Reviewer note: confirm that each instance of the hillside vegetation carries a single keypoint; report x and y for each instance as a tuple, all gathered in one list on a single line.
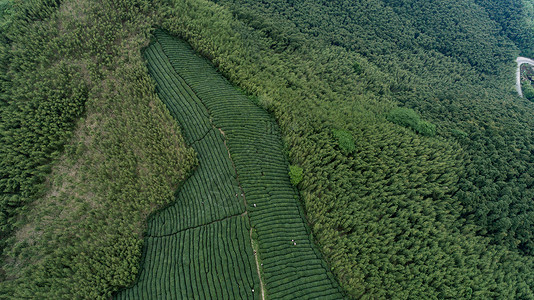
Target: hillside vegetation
[(404, 204), (411, 151), (87, 152), (241, 185)]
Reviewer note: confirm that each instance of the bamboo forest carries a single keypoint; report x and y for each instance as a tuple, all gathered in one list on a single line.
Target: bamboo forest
[(273, 149)]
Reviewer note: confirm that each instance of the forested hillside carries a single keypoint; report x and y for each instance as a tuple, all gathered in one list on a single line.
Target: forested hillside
[(414, 153), (87, 152), (516, 21)]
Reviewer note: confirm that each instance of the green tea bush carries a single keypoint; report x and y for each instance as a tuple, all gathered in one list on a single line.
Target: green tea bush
[(345, 140), (404, 116), (426, 128), (295, 174), (409, 118)]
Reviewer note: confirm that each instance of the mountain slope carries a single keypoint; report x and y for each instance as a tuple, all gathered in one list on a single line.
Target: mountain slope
[(416, 152)]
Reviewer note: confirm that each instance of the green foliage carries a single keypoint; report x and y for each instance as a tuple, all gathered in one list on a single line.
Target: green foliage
[(409, 118), (406, 117), (459, 133), (425, 128), (5, 12), (77, 191), (38, 110), (221, 247), (357, 67), (515, 18), (389, 217), (423, 206), (528, 90), (231, 120), (296, 174), (345, 140)]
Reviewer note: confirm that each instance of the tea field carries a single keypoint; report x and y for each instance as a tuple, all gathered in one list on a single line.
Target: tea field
[(200, 247)]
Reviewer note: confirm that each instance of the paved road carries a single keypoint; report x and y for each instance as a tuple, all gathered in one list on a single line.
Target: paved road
[(521, 60)]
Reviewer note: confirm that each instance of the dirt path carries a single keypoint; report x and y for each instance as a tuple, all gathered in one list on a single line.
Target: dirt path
[(245, 213), (257, 266)]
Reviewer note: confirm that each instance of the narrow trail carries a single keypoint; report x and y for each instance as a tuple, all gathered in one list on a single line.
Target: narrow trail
[(521, 60), (240, 188), (195, 227), (245, 213), (257, 266)]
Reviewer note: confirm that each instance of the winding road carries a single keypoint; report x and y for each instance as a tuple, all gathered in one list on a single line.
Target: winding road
[(521, 60)]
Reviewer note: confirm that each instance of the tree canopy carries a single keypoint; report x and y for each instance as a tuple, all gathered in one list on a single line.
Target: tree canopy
[(416, 152)]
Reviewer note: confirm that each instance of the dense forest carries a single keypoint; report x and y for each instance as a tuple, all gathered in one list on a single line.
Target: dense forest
[(411, 151), (88, 150)]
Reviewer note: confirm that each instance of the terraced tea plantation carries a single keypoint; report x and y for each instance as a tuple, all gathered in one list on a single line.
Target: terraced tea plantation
[(201, 247)]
